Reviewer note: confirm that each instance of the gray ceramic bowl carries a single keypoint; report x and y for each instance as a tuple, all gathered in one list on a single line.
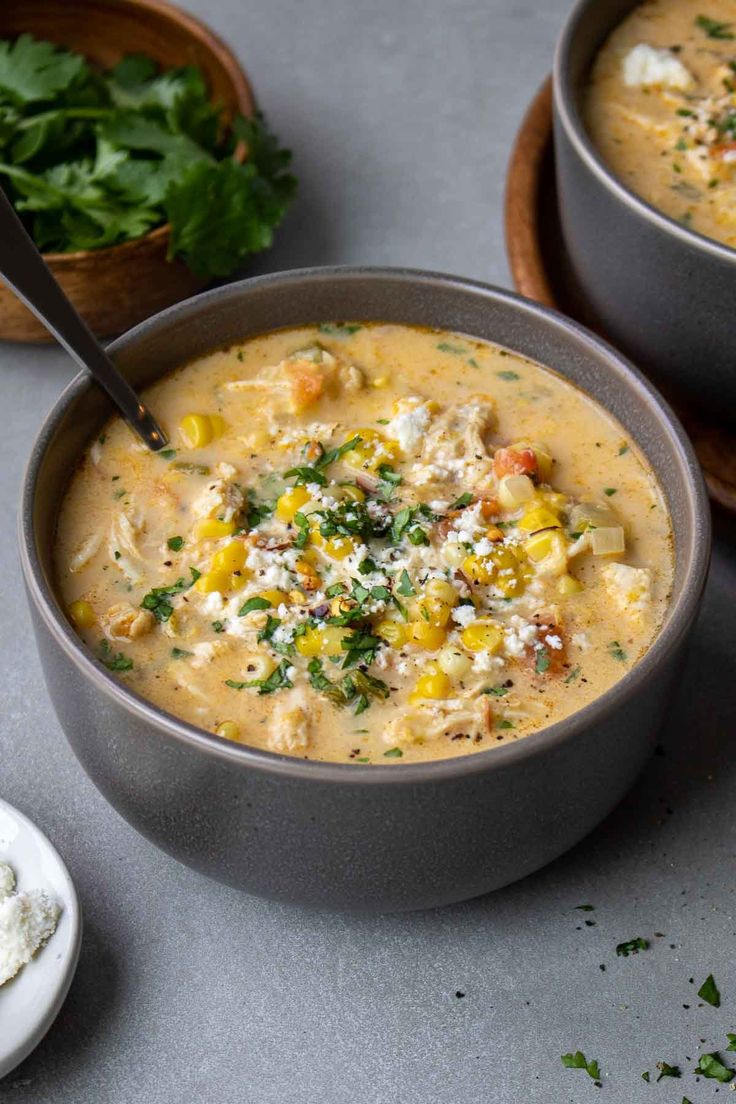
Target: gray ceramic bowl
[(662, 292), (340, 835)]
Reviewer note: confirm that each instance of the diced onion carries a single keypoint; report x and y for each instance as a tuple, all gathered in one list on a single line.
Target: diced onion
[(608, 541), (514, 491), (588, 514)]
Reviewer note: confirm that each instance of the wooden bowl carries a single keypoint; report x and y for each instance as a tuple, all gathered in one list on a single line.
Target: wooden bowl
[(117, 287), (540, 270)]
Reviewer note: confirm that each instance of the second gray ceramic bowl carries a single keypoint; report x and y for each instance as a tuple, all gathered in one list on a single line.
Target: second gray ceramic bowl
[(663, 293), (344, 836)]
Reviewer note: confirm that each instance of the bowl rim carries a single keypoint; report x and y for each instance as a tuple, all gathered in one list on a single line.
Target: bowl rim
[(567, 111), (245, 102), (681, 612)]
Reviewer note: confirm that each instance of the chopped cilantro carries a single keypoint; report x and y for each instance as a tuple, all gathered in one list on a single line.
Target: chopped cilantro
[(335, 590), (303, 475), (713, 28), (542, 661), (731, 1041), (631, 946), (579, 1061), (708, 992), (255, 603), (463, 501), (447, 347), (158, 599), (393, 753), (610, 491), (665, 1070), (180, 653), (302, 523), (504, 723), (175, 543), (495, 691), (218, 626), (585, 908), (574, 674), (339, 329), (388, 482), (360, 647), (120, 493), (266, 633), (191, 469), (508, 375), (711, 1066), (645, 1076), (404, 586), (617, 652), (256, 512), (277, 680), (167, 454), (116, 662)]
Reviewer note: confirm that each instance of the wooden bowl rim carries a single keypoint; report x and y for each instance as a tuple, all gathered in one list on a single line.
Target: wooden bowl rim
[(246, 105), (529, 271)]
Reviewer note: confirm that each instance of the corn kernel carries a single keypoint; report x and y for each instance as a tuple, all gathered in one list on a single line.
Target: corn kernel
[(381, 381), (228, 730), (453, 662), (298, 597), (316, 642), (290, 502), (539, 518), (230, 558), (210, 581), (426, 635), (374, 449), (539, 545), (435, 611), (257, 666), (237, 580), (478, 568), (218, 425), (568, 584), (82, 614), (442, 591), (308, 577), (453, 553), (213, 529), (352, 493), (337, 548), (554, 499), (482, 635), (275, 597), (393, 632), (196, 430), (435, 686)]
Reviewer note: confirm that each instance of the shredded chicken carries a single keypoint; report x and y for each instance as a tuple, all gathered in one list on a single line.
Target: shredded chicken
[(290, 724), (126, 622)]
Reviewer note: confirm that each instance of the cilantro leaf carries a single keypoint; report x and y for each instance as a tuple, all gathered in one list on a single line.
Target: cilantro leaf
[(631, 946), (255, 603), (713, 28), (393, 753), (711, 1066), (31, 71), (579, 1061), (665, 1070), (180, 653), (708, 992), (731, 1041), (405, 588), (116, 662), (158, 599), (277, 680), (175, 543)]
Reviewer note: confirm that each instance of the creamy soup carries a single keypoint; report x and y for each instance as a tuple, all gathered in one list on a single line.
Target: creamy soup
[(661, 108), (367, 543)]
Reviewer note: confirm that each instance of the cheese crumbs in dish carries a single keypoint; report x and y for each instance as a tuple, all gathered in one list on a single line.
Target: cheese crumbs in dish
[(367, 543), (661, 108)]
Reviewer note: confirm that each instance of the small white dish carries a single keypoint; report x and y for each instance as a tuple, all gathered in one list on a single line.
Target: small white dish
[(30, 1002)]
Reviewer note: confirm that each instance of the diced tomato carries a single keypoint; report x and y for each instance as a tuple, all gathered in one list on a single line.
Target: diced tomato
[(489, 507), (307, 384), (509, 461)]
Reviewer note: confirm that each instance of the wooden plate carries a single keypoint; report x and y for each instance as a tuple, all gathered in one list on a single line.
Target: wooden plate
[(538, 262), (117, 287)]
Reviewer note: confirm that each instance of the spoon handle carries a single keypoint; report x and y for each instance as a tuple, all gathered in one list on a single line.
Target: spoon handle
[(25, 271)]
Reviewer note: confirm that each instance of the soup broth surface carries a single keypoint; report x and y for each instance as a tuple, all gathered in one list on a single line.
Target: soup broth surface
[(367, 543), (661, 108)]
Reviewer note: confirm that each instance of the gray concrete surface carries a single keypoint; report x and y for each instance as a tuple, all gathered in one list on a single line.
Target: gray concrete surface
[(401, 115)]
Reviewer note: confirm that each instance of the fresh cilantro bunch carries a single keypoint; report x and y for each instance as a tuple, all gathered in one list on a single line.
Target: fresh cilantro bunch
[(93, 159)]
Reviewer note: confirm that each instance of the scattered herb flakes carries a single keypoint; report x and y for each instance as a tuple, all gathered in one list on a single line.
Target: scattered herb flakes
[(119, 494), (579, 1061), (686, 1101), (473, 362), (175, 544), (218, 626), (180, 653), (277, 680), (585, 908), (393, 753), (188, 468), (448, 347), (505, 723), (708, 992), (388, 482), (542, 661), (731, 1041), (495, 691), (509, 375), (158, 599), (361, 647), (463, 501), (666, 1070), (713, 28), (339, 329), (711, 1066), (632, 946), (302, 474), (404, 587), (254, 604), (610, 491), (617, 652), (574, 674), (623, 450), (167, 454), (114, 662), (645, 1076)]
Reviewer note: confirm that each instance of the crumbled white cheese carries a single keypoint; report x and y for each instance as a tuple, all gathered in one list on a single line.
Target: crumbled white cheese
[(409, 425), (518, 635), (580, 640), (484, 662), (206, 650), (553, 641), (646, 65), (464, 615), (27, 920), (630, 587)]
